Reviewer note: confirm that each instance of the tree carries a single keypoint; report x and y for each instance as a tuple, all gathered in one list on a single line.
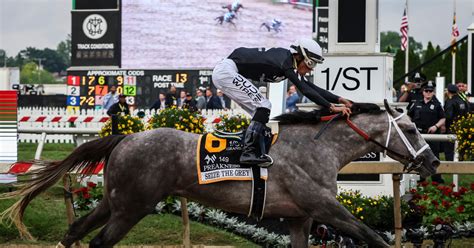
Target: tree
[(393, 39), (390, 38), (431, 69), (64, 50), (3, 57), (50, 59), (30, 74)]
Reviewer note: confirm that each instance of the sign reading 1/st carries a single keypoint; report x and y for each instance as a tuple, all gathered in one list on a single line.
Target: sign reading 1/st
[(349, 78), (361, 78)]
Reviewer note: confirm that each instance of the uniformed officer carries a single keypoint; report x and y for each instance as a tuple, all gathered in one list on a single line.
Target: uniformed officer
[(464, 95), (454, 107), (232, 76), (412, 91), (428, 116)]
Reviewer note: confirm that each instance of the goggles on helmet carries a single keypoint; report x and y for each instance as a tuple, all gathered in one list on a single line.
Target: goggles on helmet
[(313, 61)]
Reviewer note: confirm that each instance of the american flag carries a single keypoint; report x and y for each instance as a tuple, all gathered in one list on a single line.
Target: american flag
[(404, 30), (454, 33)]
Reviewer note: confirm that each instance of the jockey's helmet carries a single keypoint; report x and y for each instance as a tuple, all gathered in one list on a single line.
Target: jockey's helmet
[(310, 50)]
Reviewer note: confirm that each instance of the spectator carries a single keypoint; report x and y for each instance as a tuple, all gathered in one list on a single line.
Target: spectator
[(110, 98), (171, 98), (119, 108), (212, 101), (225, 102), (454, 107), (160, 103), (464, 95), (200, 99), (428, 116), (189, 103), (182, 98), (292, 99)]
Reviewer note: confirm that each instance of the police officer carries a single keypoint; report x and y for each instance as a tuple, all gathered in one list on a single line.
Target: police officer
[(413, 90), (464, 95), (428, 116), (454, 107)]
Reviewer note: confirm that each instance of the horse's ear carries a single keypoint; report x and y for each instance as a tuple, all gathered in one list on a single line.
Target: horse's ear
[(387, 107)]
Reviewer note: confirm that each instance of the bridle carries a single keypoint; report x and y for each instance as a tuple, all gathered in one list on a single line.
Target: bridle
[(413, 161)]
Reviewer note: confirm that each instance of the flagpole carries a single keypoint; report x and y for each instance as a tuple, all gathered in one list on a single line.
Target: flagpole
[(408, 46), (453, 54)]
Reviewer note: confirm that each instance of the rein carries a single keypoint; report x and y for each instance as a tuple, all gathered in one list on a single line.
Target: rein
[(413, 161)]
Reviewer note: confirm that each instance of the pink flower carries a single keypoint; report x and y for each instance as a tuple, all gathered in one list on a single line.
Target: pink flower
[(460, 209)]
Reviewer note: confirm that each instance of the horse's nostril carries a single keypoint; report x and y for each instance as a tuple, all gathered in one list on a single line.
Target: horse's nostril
[(436, 163)]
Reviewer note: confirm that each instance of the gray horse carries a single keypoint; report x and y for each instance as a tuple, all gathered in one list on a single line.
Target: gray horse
[(143, 168)]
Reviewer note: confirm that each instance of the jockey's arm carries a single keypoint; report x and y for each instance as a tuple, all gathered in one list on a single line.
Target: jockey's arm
[(328, 95), (307, 90), (324, 93)]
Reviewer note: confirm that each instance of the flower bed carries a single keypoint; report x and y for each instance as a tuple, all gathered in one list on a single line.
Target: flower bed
[(180, 119), (127, 124), (235, 123), (464, 130), (439, 204)]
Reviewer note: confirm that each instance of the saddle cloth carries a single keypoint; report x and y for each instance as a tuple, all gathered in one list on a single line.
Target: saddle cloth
[(218, 156)]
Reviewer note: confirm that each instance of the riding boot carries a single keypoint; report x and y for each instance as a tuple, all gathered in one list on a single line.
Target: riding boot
[(252, 153)]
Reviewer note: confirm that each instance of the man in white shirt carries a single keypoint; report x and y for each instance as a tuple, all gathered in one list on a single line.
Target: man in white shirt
[(110, 98)]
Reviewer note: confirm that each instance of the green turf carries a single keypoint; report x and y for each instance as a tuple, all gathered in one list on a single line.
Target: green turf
[(46, 217), (46, 220)]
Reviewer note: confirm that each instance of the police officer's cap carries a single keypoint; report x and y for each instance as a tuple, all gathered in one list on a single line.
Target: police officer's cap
[(419, 77), (452, 88), (430, 85)]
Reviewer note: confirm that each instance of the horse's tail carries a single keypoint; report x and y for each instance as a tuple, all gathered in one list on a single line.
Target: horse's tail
[(83, 159)]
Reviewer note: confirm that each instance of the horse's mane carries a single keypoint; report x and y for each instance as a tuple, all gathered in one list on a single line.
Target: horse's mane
[(314, 117)]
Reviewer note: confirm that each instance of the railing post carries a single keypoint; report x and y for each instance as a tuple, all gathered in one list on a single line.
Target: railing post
[(68, 201), (39, 149), (397, 211), (456, 159), (186, 227)]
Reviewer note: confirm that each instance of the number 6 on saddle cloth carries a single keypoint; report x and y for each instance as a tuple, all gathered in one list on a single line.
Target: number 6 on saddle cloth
[(218, 159)]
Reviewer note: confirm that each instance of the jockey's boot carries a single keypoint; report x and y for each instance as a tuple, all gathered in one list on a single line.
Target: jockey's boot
[(250, 154)]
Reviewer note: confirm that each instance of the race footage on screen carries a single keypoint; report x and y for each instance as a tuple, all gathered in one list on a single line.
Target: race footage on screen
[(197, 34)]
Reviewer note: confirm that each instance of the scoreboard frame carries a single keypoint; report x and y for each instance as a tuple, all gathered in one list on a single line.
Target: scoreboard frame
[(86, 88)]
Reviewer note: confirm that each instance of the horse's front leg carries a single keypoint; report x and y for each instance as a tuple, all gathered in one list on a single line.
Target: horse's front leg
[(299, 231), (329, 211)]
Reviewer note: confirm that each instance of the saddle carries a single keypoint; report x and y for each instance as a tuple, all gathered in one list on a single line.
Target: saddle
[(218, 159)]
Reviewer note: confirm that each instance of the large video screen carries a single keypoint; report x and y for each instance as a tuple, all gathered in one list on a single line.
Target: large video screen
[(196, 34)]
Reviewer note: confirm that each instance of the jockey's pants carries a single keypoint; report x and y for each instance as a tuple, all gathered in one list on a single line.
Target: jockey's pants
[(227, 78)]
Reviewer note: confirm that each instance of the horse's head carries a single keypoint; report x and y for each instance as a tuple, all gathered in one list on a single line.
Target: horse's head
[(406, 145)]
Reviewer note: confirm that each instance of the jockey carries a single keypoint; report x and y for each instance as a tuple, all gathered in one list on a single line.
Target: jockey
[(235, 4), (229, 16), (276, 23), (232, 76)]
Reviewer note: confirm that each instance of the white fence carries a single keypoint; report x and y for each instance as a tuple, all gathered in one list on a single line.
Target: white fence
[(33, 121)]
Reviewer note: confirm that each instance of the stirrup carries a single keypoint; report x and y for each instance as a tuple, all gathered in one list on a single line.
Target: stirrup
[(267, 164)]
